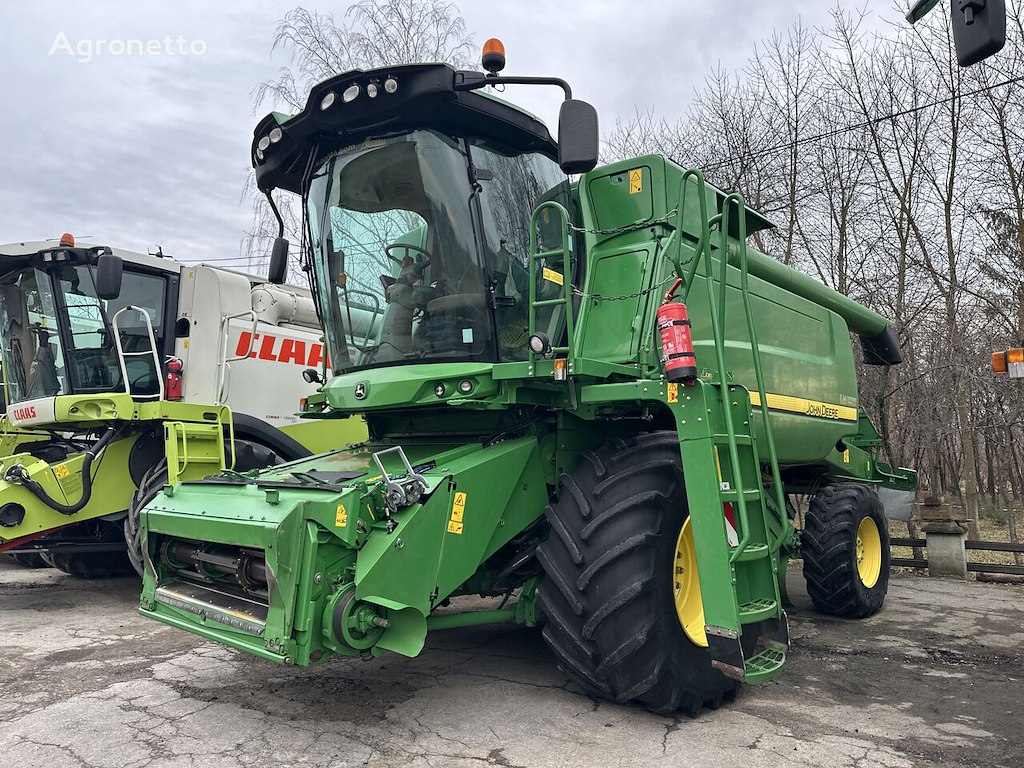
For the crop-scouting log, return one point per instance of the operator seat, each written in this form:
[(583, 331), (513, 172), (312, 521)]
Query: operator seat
[(42, 374)]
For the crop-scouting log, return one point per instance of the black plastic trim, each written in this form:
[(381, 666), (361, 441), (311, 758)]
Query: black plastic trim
[(883, 349)]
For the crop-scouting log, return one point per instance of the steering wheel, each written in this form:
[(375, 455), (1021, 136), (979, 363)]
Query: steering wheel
[(427, 258)]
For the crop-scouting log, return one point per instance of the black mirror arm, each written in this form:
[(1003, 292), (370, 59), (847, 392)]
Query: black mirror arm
[(471, 81), (277, 213)]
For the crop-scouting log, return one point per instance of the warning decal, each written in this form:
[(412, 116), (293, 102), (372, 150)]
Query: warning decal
[(553, 277), (672, 395), (636, 181), (341, 517), (458, 509)]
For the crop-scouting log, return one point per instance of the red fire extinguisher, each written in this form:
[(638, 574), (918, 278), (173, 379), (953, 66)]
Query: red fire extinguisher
[(172, 388), (676, 343)]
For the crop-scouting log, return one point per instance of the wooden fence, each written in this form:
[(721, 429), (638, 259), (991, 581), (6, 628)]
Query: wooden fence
[(971, 545)]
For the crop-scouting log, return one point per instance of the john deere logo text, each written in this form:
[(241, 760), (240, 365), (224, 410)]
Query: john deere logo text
[(268, 347), (28, 412), (822, 410)]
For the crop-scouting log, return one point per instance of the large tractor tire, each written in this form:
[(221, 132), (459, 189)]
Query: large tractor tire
[(94, 565), (248, 455), (623, 609), (845, 546)]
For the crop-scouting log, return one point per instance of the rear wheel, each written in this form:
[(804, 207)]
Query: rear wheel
[(248, 455), (845, 546), (621, 595), (92, 565), (30, 560)]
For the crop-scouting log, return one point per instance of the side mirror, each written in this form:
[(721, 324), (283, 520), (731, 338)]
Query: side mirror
[(578, 137), (108, 276), (979, 29), (278, 272)]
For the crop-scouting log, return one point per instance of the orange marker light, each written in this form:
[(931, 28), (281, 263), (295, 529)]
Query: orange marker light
[(493, 56), (1015, 355), (998, 362), (558, 372), (67, 240)]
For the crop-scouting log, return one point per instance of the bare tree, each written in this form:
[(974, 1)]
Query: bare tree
[(318, 45)]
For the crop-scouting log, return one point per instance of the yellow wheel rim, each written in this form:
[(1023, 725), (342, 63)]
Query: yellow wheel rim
[(686, 587), (869, 552)]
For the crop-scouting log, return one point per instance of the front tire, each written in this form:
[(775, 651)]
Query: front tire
[(845, 547), (611, 586)]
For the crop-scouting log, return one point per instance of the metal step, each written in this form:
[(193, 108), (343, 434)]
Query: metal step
[(723, 439), (751, 494), (752, 552), (764, 665), (758, 610)]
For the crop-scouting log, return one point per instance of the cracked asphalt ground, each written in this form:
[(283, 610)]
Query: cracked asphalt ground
[(936, 679)]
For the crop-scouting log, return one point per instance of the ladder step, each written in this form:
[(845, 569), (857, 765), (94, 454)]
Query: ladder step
[(765, 665), (752, 494), (549, 254), (758, 610), (722, 438), (752, 552)]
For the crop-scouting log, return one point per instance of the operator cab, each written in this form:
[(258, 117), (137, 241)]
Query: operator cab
[(419, 193), (56, 332), (415, 261)]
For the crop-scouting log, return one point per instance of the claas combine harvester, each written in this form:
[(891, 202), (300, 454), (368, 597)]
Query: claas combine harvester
[(112, 361), (513, 322)]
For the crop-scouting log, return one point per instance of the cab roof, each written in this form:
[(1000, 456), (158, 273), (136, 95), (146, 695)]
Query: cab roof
[(426, 96)]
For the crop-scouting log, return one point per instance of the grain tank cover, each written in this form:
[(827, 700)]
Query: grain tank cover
[(878, 339)]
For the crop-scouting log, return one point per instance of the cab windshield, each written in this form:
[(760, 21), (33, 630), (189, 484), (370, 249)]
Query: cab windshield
[(413, 262), (55, 335)]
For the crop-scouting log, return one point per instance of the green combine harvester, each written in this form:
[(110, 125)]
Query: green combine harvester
[(509, 319)]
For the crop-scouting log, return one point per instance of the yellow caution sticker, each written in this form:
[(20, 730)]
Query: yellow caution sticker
[(458, 509), (636, 181), (846, 456), (553, 277), (672, 394), (61, 471), (341, 517)]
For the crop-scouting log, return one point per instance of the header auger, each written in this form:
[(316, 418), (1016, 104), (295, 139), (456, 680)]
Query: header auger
[(496, 323)]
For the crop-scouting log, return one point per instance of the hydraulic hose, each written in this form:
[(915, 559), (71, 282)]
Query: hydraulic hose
[(17, 474)]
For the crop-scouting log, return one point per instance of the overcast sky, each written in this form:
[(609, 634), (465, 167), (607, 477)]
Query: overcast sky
[(139, 150)]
